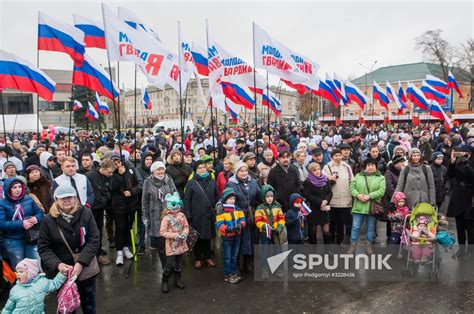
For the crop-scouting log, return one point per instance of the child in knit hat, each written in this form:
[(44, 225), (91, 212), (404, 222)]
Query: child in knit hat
[(397, 217), (175, 229), (230, 223), (27, 296)]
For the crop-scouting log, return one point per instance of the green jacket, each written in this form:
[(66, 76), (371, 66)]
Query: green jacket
[(358, 186)]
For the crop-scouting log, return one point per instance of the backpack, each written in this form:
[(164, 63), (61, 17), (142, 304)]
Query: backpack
[(68, 296)]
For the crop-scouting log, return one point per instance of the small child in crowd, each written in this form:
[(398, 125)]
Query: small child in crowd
[(230, 223), (27, 296), (175, 229), (397, 217), (295, 220)]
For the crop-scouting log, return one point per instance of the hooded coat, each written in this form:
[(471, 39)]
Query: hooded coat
[(294, 222), (179, 172), (270, 214), (285, 183), (153, 202), (49, 173), (127, 181), (13, 228), (200, 198)]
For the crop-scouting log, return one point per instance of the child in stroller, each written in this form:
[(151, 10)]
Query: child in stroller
[(423, 236), (397, 217)]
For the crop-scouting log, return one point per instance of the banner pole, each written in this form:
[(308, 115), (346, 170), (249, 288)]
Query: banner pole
[(210, 96), (255, 83), (181, 122), (135, 117)]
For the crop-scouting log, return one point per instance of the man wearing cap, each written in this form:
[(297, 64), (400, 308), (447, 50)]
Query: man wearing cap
[(251, 160), (35, 159), (48, 166), (6, 154), (284, 179), (346, 155), (316, 156), (9, 170)]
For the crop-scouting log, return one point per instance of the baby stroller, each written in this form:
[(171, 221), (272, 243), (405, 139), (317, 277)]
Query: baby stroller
[(419, 240)]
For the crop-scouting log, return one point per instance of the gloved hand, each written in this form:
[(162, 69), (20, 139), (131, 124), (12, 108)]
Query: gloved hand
[(264, 227), (229, 229), (237, 228), (281, 228)]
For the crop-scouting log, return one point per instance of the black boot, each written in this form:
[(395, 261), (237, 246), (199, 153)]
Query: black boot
[(177, 280), (164, 286)]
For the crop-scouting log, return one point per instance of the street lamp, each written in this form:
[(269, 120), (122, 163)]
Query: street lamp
[(367, 70)]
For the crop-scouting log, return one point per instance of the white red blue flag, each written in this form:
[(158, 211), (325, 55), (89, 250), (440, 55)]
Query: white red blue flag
[(305, 210), (91, 113), (94, 77), (101, 106), (94, 36), (54, 35), (438, 112), (432, 94), (134, 21), (402, 97), (20, 74), (326, 92), (381, 95), (146, 99), (77, 105), (438, 84), (200, 59), (271, 100), (342, 89), (393, 96), (268, 231), (356, 95), (452, 84), (416, 96)]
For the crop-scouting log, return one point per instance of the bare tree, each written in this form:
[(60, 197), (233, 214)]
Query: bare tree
[(436, 49), (466, 60)]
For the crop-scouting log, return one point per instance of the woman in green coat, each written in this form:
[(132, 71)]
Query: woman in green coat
[(367, 186)]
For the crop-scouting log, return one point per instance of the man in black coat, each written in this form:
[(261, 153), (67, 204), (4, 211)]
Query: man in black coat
[(101, 181), (284, 179)]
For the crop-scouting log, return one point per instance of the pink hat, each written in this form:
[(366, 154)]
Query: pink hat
[(397, 196), (31, 266)]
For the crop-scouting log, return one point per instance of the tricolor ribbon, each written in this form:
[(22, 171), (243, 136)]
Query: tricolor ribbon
[(268, 231), (82, 233), (19, 212)]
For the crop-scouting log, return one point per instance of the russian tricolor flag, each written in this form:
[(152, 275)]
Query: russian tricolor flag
[(416, 96), (401, 95), (91, 113), (237, 94), (432, 94), (273, 102), (20, 74), (146, 100), (101, 106), (354, 94), (380, 95), (326, 92), (342, 90), (92, 76), (54, 35), (200, 59), (393, 96), (438, 112), (335, 90), (305, 210), (440, 85), (233, 109), (453, 84), (77, 105), (94, 36)]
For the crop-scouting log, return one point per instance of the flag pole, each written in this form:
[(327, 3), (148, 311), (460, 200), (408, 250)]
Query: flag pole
[(70, 114), (181, 122), (210, 96), (254, 83), (135, 117), (3, 118), (268, 107), (37, 97)]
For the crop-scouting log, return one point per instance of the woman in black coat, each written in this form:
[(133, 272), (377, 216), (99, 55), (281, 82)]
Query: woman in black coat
[(200, 198), (317, 191), (178, 170), (78, 226), (460, 205)]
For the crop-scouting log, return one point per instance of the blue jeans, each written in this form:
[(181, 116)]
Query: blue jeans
[(17, 250), (230, 254), (357, 221)]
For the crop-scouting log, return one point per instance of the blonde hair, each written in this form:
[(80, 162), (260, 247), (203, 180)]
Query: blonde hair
[(312, 166)]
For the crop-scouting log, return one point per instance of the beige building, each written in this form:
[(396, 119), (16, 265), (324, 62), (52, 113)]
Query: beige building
[(165, 106)]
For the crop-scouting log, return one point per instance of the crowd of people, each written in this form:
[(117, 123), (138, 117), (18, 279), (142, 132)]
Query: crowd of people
[(240, 185)]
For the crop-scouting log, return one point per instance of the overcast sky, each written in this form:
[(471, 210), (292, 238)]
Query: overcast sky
[(337, 35)]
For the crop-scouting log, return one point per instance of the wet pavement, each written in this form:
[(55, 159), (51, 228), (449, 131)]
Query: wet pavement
[(206, 292)]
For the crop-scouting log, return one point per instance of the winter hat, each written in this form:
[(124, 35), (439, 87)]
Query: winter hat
[(173, 202), (64, 190), (30, 266), (248, 156), (398, 196), (370, 161), (436, 155), (8, 164), (198, 163), (114, 157), (423, 220), (424, 139), (228, 193), (398, 159), (31, 168), (157, 165), (302, 145), (239, 165), (412, 151)]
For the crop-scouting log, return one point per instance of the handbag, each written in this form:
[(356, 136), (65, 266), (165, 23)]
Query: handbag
[(193, 234), (88, 271), (69, 299), (32, 234), (375, 208)]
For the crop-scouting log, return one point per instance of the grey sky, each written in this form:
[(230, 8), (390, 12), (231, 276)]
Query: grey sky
[(337, 35)]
